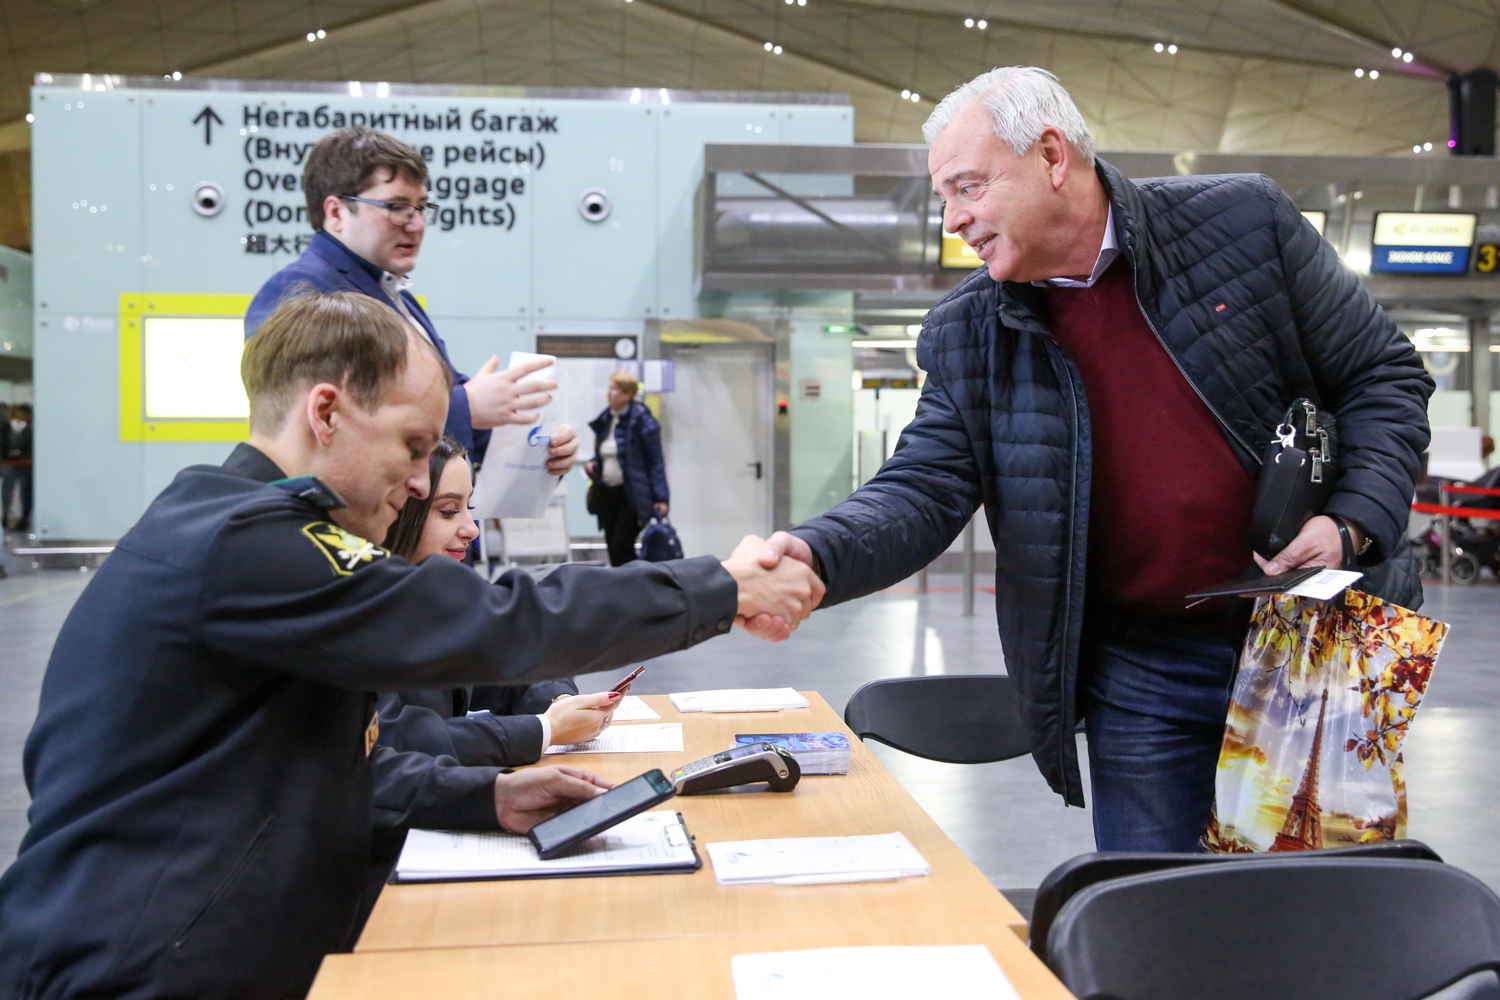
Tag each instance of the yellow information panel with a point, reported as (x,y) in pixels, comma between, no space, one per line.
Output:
(180,367)
(957,253)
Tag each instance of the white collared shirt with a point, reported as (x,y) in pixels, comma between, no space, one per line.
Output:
(393,285)
(1108,251)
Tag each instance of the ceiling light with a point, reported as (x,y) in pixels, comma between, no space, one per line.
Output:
(1416,149)
(968,22)
(176,75)
(355,90)
(1160,46)
(321,33)
(382,90)
(983,25)
(311,37)
(777,50)
(801,3)
(1172,49)
(906,95)
(1374,74)
(769,46)
(1396,53)
(1406,57)
(915,97)
(1359,72)
(1427,146)
(1452,143)
(666,98)
(31,118)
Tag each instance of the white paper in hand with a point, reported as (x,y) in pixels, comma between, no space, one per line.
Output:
(513,481)
(879,973)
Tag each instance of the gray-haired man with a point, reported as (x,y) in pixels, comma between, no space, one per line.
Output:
(1105,386)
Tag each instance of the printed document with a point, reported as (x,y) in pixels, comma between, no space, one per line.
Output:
(740,862)
(880,973)
(648,841)
(513,480)
(738,700)
(663,737)
(632,709)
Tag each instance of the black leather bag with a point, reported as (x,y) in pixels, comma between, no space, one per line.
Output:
(1296,478)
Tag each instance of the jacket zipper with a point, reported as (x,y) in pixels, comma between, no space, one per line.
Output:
(1069,705)
(1183,372)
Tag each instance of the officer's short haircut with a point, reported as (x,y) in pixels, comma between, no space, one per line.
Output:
(350,160)
(346,339)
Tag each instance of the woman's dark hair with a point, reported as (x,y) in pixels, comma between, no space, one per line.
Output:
(404,535)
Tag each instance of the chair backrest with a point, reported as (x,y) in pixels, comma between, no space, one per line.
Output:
(1079,873)
(958,718)
(1289,927)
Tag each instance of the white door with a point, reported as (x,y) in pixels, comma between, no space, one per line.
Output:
(718,425)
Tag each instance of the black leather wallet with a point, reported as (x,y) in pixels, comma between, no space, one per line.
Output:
(1296,478)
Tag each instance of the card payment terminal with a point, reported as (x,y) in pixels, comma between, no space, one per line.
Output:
(741,765)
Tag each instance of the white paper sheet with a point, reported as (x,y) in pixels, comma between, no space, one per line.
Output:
(1326,585)
(738,862)
(664,737)
(879,973)
(513,480)
(648,840)
(632,709)
(743,699)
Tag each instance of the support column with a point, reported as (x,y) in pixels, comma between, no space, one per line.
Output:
(1480,365)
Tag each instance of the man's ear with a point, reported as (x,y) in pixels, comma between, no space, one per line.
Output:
(324,403)
(1057,155)
(333,213)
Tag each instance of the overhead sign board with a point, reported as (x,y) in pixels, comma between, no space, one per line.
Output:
(1422,242)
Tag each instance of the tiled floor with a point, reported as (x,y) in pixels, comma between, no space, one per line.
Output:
(1002,815)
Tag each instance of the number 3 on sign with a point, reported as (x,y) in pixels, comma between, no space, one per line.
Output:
(1487,259)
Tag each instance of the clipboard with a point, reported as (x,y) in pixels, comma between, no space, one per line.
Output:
(514,858)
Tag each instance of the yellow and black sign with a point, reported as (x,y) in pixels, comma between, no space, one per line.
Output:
(1487,258)
(346,551)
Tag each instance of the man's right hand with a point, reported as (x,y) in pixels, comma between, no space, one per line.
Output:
(525,798)
(496,398)
(773,600)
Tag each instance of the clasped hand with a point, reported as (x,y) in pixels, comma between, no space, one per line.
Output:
(777,585)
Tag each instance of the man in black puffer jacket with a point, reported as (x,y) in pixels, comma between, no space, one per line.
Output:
(1106,386)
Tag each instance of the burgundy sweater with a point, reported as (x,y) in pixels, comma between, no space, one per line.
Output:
(1170,508)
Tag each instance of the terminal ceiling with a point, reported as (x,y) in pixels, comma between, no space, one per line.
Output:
(1248,75)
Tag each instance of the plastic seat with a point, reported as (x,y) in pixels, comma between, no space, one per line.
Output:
(957,719)
(1310,927)
(1076,874)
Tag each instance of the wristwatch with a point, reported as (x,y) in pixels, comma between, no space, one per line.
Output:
(1350,555)
(561,697)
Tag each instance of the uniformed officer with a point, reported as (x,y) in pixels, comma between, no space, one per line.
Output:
(199,768)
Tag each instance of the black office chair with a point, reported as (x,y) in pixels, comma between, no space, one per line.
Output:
(1077,874)
(1288,927)
(957,719)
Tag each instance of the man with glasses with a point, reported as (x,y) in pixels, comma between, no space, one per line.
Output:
(367,201)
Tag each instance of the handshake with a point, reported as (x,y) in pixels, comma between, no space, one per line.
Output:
(778,587)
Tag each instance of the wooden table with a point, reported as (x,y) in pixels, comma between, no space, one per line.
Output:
(654,969)
(636,927)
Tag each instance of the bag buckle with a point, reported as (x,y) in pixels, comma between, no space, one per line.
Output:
(1286,436)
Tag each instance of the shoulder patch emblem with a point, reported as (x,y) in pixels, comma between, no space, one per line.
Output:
(346,551)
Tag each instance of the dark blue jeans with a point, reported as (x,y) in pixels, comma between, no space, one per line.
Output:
(1155,695)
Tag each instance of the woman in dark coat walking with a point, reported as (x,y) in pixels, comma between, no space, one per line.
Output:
(629,475)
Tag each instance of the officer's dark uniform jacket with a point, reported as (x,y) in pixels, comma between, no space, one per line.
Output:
(199,769)
(1254,308)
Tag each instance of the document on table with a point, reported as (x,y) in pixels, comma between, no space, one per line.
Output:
(663,737)
(513,479)
(632,709)
(810,860)
(738,700)
(879,973)
(649,842)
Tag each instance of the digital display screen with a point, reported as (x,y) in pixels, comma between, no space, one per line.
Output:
(615,805)
(1422,242)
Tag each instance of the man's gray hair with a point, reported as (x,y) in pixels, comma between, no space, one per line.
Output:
(1021,101)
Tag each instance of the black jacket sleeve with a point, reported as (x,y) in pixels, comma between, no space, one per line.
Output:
(296,594)
(909,513)
(1368,373)
(484,739)
(513,699)
(431,793)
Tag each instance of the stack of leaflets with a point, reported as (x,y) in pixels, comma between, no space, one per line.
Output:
(816,753)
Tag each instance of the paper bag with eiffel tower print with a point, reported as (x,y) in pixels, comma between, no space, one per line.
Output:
(1324,698)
